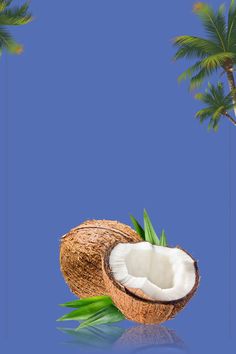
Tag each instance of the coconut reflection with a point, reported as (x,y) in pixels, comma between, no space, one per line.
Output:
(145,338)
(137,339)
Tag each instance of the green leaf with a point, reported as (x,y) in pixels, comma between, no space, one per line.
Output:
(138,228)
(109,314)
(84,312)
(213,23)
(163,239)
(190,72)
(150,234)
(7,42)
(4,4)
(193,47)
(82,302)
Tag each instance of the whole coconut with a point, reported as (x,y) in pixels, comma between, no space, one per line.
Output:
(81,253)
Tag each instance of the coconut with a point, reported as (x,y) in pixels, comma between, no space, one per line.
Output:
(82,250)
(149,283)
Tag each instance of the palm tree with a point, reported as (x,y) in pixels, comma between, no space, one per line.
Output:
(217,105)
(14,16)
(216,51)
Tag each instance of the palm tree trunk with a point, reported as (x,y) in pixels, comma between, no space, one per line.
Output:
(231,81)
(232,120)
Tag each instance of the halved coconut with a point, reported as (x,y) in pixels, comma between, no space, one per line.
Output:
(149,284)
(82,250)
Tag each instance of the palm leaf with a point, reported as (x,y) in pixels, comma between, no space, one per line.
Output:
(4,4)
(7,42)
(214,62)
(204,114)
(190,72)
(217,104)
(218,112)
(109,314)
(191,47)
(86,301)
(84,312)
(16,16)
(214,23)
(199,96)
(163,240)
(231,33)
(138,228)
(198,79)
(150,234)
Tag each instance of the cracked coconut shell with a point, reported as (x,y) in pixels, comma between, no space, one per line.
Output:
(135,305)
(82,250)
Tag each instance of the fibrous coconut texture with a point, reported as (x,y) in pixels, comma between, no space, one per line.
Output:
(149,284)
(82,250)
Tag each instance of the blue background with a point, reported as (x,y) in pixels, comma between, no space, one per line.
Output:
(95,125)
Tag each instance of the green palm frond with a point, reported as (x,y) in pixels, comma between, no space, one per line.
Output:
(4,4)
(190,47)
(218,112)
(198,79)
(16,16)
(201,70)
(190,72)
(217,104)
(231,33)
(214,23)
(216,51)
(7,42)
(216,61)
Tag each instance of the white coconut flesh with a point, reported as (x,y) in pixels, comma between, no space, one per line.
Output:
(162,273)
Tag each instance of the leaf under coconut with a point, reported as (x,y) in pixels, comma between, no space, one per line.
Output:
(109,314)
(82,302)
(84,312)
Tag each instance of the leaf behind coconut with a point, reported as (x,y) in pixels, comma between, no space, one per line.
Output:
(150,234)
(138,228)
(163,239)
(109,314)
(86,301)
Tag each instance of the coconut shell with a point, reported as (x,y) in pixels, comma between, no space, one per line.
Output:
(81,253)
(137,308)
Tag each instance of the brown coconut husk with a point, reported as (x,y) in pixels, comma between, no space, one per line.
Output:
(81,254)
(138,308)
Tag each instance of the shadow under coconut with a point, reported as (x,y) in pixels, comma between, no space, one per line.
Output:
(137,339)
